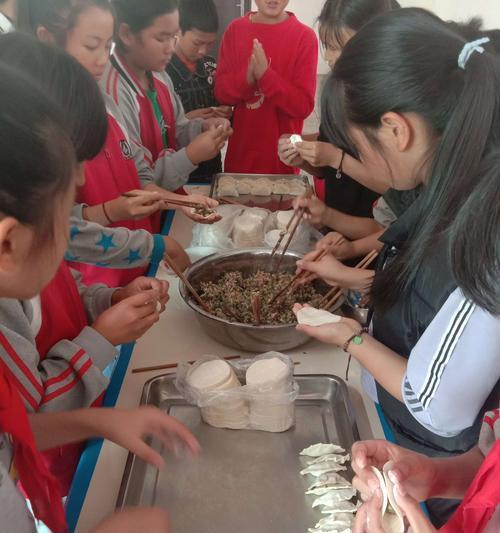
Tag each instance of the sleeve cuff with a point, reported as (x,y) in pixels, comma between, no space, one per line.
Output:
(268,82)
(247,91)
(99,349)
(159,249)
(102,300)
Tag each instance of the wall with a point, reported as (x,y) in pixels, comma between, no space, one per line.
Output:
(308,10)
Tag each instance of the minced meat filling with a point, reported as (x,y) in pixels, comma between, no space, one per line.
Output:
(231,296)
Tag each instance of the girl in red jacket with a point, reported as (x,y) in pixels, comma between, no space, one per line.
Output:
(84,28)
(267,70)
(136,80)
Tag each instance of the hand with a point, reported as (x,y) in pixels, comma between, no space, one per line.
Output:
(414,473)
(217,122)
(129,319)
(140,285)
(177,253)
(260,64)
(329,269)
(315,209)
(369,515)
(336,334)
(337,245)
(223,111)
(319,154)
(138,204)
(207,145)
(251,80)
(288,153)
(128,428)
(207,202)
(131,520)
(204,113)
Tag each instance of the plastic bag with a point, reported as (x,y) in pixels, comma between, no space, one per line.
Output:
(264,408)
(231,232)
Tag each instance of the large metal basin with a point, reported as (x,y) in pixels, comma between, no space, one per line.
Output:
(257,339)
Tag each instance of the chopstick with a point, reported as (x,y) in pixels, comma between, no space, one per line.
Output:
(171,263)
(181,203)
(319,255)
(294,223)
(336,292)
(173,366)
(256,306)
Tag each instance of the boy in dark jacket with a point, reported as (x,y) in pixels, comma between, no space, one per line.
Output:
(193,71)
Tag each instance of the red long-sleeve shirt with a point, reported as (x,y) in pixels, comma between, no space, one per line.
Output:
(280,101)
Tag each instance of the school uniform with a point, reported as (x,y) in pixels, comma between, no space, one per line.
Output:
(155,120)
(194,84)
(56,358)
(452,348)
(110,247)
(20,459)
(280,101)
(120,167)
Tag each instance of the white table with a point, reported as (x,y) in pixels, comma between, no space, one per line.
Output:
(178,337)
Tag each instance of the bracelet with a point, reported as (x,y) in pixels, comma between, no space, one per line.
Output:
(106,213)
(355,339)
(341,164)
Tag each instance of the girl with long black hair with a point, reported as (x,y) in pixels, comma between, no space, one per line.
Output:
(420,106)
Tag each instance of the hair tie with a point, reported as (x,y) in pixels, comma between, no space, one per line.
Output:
(469,49)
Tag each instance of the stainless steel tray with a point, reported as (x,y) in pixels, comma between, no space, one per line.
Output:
(244,481)
(275,202)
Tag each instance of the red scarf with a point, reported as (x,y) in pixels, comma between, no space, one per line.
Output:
(41,487)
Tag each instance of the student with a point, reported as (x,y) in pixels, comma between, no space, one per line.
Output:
(267,70)
(436,295)
(37,195)
(7,15)
(57,345)
(85,31)
(472,476)
(338,22)
(193,71)
(135,78)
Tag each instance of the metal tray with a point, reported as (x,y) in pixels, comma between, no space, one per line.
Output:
(275,202)
(244,481)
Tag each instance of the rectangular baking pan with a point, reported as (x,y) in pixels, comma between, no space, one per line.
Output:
(275,202)
(243,481)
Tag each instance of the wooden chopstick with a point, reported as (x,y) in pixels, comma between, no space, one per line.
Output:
(319,255)
(173,366)
(181,203)
(171,263)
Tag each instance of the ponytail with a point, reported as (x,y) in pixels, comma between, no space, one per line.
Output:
(407,62)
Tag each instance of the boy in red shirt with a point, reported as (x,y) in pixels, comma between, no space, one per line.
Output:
(267,70)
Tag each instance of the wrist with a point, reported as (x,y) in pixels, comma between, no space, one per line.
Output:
(109,211)
(192,155)
(117,296)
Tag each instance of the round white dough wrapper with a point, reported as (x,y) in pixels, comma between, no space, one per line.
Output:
(310,316)
(294,139)
(267,372)
(210,375)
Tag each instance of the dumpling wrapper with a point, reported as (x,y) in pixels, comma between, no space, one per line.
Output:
(338,520)
(397,522)
(333,497)
(310,316)
(334,457)
(329,479)
(319,491)
(330,529)
(317,450)
(294,139)
(340,507)
(322,468)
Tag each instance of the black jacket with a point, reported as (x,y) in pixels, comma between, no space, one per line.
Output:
(401,327)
